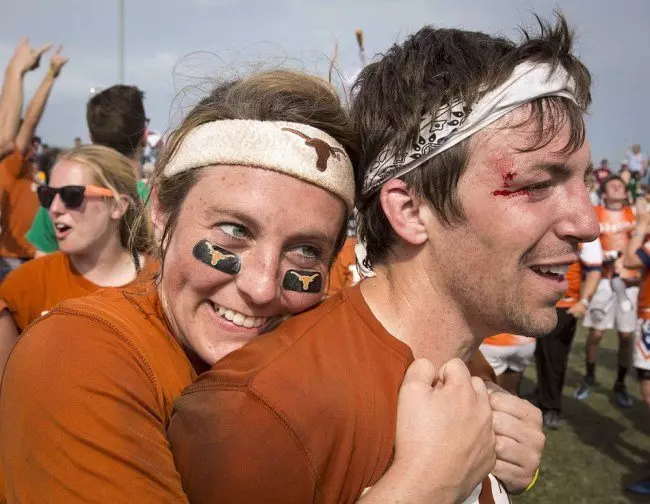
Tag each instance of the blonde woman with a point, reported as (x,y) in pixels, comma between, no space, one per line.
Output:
(93,203)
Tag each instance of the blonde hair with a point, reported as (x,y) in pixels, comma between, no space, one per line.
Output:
(115,172)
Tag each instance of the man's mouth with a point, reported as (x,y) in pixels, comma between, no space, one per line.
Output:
(239,319)
(552,272)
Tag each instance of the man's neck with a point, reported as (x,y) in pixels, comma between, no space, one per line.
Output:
(412,308)
(107,264)
(614,205)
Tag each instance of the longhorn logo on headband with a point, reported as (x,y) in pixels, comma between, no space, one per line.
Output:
(322,148)
(303,281)
(220,259)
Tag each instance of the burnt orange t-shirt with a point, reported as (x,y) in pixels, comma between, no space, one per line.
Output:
(344,271)
(86,399)
(304,414)
(18,206)
(616,227)
(37,286)
(644,288)
(591,258)
(507,339)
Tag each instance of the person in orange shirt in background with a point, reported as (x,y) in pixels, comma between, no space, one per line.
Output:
(24,59)
(614,303)
(344,272)
(508,354)
(552,350)
(92,200)
(637,255)
(18,180)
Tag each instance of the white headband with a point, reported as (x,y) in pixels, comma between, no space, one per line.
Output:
(297,150)
(456,121)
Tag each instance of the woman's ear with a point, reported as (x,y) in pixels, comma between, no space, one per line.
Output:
(158,217)
(120,206)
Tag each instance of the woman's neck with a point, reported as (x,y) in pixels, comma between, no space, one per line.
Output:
(107,264)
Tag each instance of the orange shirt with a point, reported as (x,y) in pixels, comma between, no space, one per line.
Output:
(86,399)
(344,271)
(591,258)
(644,288)
(306,413)
(507,339)
(18,206)
(57,280)
(616,227)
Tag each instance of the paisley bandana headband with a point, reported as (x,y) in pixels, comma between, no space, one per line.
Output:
(456,121)
(297,150)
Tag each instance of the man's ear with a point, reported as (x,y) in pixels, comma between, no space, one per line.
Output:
(404,211)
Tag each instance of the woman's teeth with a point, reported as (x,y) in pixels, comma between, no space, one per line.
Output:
(239,319)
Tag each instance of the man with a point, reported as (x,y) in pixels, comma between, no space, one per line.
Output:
(116,119)
(614,303)
(509,355)
(18,178)
(637,255)
(552,351)
(472,211)
(77,142)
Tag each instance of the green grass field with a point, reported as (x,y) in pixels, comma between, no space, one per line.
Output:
(599,449)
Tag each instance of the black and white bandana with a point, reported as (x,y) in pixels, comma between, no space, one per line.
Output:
(456,121)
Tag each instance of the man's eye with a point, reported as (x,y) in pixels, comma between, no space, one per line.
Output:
(539,187)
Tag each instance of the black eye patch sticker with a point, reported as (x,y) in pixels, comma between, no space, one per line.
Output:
(303,281)
(216,257)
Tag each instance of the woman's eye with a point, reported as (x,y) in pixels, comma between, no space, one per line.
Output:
(234,230)
(308,251)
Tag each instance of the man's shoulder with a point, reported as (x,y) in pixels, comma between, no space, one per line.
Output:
(289,342)
(329,354)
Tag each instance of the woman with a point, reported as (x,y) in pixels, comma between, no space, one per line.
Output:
(93,202)
(249,206)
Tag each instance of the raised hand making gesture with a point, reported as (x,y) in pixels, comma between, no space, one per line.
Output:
(57,62)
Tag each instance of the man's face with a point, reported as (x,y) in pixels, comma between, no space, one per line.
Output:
(526,212)
(615,191)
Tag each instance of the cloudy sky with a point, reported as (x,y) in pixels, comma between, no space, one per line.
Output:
(175,49)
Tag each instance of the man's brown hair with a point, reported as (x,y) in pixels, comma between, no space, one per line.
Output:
(431,68)
(116,118)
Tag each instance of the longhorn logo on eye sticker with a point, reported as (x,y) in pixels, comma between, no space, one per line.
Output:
(216,257)
(303,281)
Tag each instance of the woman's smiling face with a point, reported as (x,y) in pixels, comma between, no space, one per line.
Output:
(273,223)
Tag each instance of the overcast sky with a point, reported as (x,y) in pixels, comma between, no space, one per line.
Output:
(171,45)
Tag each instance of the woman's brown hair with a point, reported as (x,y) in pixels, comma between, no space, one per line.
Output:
(278,95)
